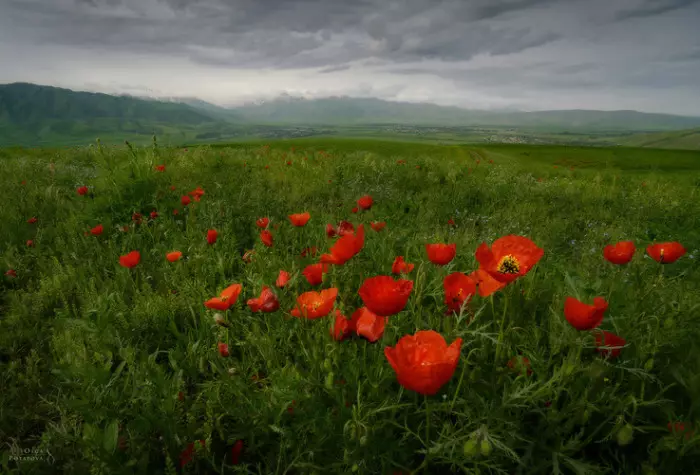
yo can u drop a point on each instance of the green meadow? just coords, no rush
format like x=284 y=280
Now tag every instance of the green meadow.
x=106 y=369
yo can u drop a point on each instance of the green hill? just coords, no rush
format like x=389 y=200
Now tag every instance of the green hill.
x=682 y=139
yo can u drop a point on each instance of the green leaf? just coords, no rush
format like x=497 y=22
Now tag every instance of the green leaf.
x=111 y=434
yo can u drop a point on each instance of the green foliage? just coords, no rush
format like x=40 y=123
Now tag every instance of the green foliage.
x=116 y=371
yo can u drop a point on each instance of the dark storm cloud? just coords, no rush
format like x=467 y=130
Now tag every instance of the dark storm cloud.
x=652 y=8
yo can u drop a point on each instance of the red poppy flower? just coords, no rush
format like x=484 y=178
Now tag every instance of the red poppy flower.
x=342 y=327
x=385 y=296
x=344 y=228
x=226 y=298
x=223 y=350
x=346 y=247
x=11 y=273
x=130 y=260
x=365 y=202
x=262 y=222
x=30 y=243
x=173 y=256
x=299 y=219
x=620 y=253
x=266 y=303
x=314 y=305
x=609 y=344
x=137 y=218
x=236 y=452
x=197 y=193
x=459 y=289
x=185 y=200
x=355 y=209
x=485 y=283
x=154 y=214
x=187 y=455
x=423 y=362
x=367 y=324
x=451 y=222
x=248 y=256
x=282 y=279
x=377 y=225
x=585 y=317
x=666 y=252
x=82 y=191
x=32 y=220
x=441 y=254
x=314 y=273
x=266 y=237
x=211 y=236
x=678 y=428
x=520 y=364
x=159 y=168
x=176 y=212
x=400 y=266
x=312 y=251
x=508 y=258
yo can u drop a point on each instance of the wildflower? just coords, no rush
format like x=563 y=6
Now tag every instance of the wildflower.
x=266 y=303
x=159 y=168
x=130 y=260
x=299 y=219
x=262 y=222
x=212 y=235
x=82 y=190
x=187 y=455
x=343 y=228
x=32 y=220
x=226 y=298
x=173 y=256
x=312 y=251
x=459 y=289
x=377 y=225
x=365 y=202
x=367 y=324
x=520 y=364
x=282 y=279
x=609 y=344
x=185 y=200
x=385 y=296
x=666 y=252
x=11 y=273
x=248 y=256
x=314 y=273
x=346 y=247
x=314 y=305
x=236 y=452
x=355 y=209
x=441 y=254
x=423 y=362
x=585 y=317
x=400 y=266
x=266 y=237
x=154 y=214
x=30 y=243
x=223 y=350
x=137 y=218
x=197 y=193
x=508 y=258
x=620 y=253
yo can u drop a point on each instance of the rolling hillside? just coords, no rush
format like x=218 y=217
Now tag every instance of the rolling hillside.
x=682 y=139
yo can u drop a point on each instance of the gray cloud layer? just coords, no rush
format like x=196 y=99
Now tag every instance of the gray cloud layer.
x=534 y=54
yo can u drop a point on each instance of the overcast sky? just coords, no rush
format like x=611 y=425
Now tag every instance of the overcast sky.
x=525 y=54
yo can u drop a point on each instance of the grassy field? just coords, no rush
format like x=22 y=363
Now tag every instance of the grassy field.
x=107 y=369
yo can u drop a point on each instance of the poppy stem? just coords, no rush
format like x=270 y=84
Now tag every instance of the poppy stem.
x=427 y=426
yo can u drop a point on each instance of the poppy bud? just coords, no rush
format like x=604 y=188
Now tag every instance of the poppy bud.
x=329 y=381
x=625 y=435
x=485 y=447
x=327 y=365
x=219 y=320
x=470 y=448
x=649 y=365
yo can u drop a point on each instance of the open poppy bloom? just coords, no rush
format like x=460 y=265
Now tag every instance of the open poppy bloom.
x=248 y=256
x=82 y=191
x=173 y=256
x=666 y=252
x=262 y=222
x=314 y=305
x=423 y=362
x=30 y=243
x=154 y=214
x=225 y=299
x=451 y=222
x=223 y=350
x=400 y=266
x=509 y=257
x=187 y=455
x=441 y=254
x=520 y=364
x=585 y=317
x=609 y=344
x=266 y=303
x=377 y=225
x=266 y=237
x=130 y=260
x=282 y=279
x=367 y=324
x=197 y=193
x=299 y=219
x=32 y=220
x=346 y=247
x=159 y=168
x=385 y=296
x=185 y=200
x=314 y=273
x=365 y=202
x=137 y=218
x=342 y=327
x=679 y=428
x=354 y=210
x=620 y=253
x=97 y=230
x=486 y=285
x=459 y=290
x=11 y=273
x=211 y=236
x=343 y=228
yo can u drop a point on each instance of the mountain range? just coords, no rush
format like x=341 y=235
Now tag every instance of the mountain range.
x=37 y=115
